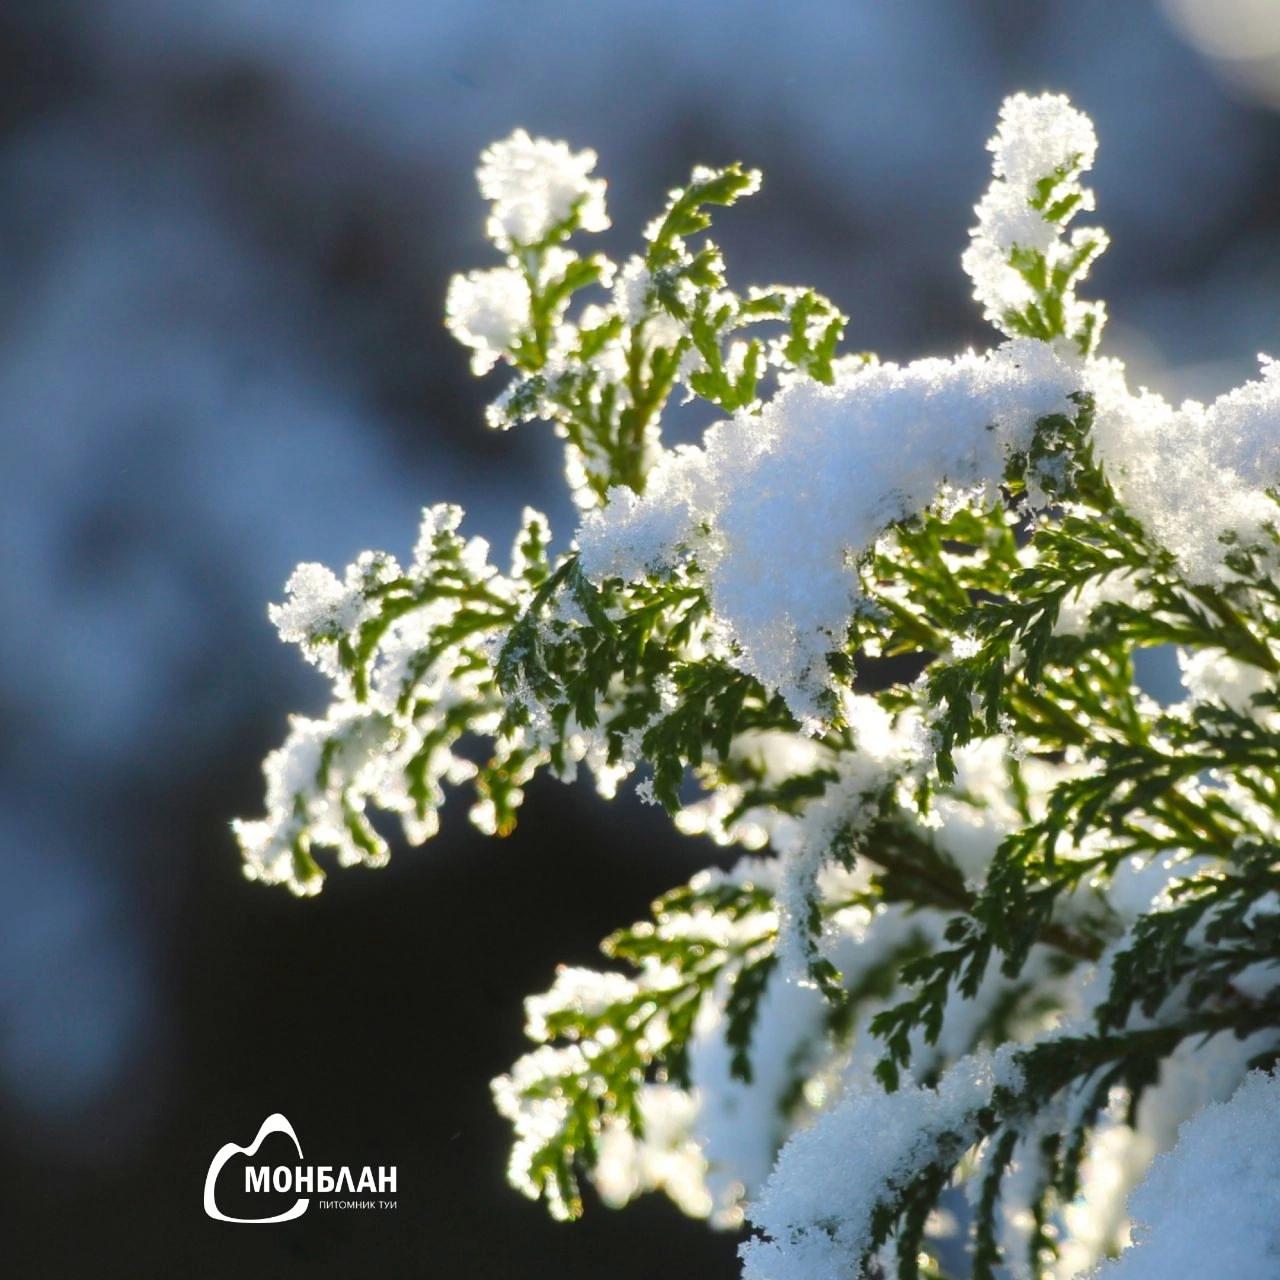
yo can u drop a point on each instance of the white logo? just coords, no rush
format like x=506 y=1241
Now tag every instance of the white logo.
x=272 y=1124
x=337 y=1180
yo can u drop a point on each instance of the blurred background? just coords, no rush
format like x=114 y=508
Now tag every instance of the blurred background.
x=226 y=233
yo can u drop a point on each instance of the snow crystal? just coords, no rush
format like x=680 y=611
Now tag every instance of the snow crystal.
x=1211 y=1207
x=778 y=506
x=486 y=311
x=535 y=184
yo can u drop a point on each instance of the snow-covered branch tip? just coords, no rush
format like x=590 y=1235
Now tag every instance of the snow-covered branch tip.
x=1003 y=924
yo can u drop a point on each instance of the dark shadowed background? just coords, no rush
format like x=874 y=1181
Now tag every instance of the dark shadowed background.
x=226 y=231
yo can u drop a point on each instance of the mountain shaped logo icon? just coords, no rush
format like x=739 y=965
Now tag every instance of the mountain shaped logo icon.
x=275 y=1123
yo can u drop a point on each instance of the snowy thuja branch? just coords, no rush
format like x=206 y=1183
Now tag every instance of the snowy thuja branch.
x=614 y=1091
x=412 y=654
x=1070 y=690
x=1025 y=268
x=1012 y=912
x=617 y=1048
x=990 y=1118
x=603 y=375
x=408 y=651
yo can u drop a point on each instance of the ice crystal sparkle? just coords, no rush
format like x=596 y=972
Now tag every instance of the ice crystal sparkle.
x=1003 y=930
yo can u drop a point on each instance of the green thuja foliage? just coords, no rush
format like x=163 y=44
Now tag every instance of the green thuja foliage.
x=1005 y=894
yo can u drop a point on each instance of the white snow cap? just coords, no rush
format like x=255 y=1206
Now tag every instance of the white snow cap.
x=815 y=1214
x=1211 y=1206
x=1037 y=138
x=1037 y=135
x=778 y=506
x=486 y=310
x=1193 y=474
x=534 y=183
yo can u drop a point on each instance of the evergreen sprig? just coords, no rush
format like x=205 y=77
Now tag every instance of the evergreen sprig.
x=1004 y=877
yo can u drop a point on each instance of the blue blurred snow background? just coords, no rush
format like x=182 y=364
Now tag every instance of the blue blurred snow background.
x=226 y=231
